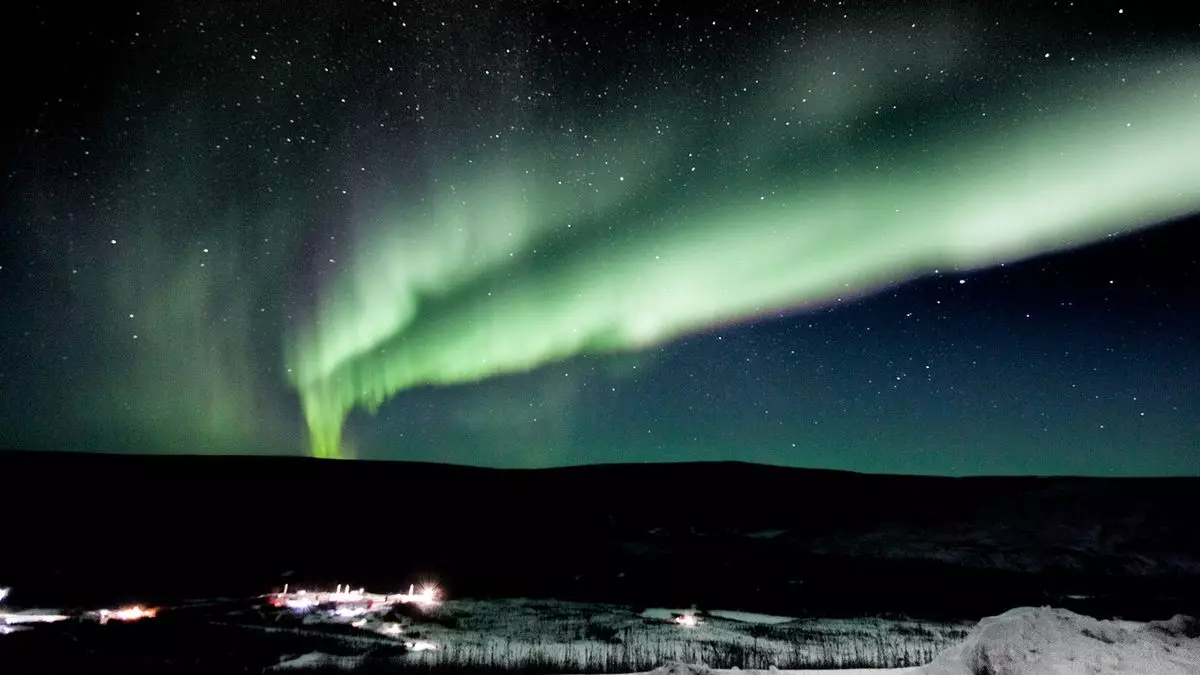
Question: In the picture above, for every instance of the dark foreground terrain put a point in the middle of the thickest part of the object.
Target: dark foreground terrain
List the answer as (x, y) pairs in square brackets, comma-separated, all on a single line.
[(516, 637), (86, 530)]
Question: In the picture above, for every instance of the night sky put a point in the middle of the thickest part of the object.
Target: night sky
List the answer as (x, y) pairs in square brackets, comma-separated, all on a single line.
[(920, 238)]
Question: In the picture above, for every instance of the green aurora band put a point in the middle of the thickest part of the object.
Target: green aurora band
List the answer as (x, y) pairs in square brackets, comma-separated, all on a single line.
[(505, 270)]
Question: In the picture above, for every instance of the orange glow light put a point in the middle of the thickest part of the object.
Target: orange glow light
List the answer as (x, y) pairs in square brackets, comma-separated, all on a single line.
[(135, 613)]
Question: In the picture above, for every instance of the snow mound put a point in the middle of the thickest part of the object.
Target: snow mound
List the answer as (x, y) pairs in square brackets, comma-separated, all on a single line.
[(664, 613), (1178, 626), (318, 660), (1047, 641), (681, 669)]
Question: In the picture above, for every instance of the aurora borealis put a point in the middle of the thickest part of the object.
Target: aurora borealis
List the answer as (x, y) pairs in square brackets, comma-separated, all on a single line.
[(930, 239)]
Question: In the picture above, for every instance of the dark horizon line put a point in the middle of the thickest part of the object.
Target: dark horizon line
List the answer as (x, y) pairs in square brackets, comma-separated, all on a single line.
[(35, 455)]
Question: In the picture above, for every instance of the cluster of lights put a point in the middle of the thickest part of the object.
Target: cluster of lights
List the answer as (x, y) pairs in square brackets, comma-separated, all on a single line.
[(357, 605), (688, 620), (352, 602), (299, 603), (344, 594)]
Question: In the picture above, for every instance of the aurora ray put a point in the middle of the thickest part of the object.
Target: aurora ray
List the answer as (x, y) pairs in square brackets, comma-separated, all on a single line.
[(504, 273)]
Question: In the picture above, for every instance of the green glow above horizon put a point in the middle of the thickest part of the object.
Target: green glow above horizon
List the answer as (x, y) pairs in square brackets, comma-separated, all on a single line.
[(507, 270)]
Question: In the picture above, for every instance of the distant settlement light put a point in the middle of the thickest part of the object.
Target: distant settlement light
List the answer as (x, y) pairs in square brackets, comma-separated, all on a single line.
[(688, 620), (135, 613)]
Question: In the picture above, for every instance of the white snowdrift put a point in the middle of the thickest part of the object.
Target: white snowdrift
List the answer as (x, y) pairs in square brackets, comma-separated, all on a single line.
[(319, 660), (750, 617), (689, 669), (1046, 641)]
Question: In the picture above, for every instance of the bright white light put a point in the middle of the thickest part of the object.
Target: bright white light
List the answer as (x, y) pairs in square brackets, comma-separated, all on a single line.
[(390, 629), (426, 597), (3, 593), (299, 603), (344, 594), (686, 620), (13, 619), (420, 646)]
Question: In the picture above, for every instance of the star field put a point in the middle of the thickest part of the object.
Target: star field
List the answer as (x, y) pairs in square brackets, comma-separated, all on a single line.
[(921, 238)]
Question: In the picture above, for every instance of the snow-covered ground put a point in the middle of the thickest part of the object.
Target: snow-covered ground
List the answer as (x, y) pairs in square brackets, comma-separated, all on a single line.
[(566, 637), (1023, 641), (554, 635), (694, 669), (319, 660), (1042, 641)]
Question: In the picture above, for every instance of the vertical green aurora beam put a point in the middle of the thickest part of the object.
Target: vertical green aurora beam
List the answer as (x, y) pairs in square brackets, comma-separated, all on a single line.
[(508, 272)]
